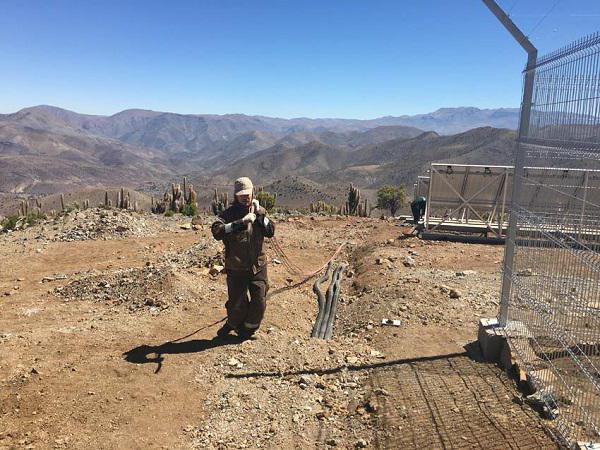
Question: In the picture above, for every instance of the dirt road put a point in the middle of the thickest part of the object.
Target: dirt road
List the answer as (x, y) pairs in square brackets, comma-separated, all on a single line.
[(86, 362)]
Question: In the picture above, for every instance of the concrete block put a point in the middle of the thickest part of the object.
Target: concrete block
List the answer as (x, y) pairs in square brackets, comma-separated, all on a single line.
[(491, 339)]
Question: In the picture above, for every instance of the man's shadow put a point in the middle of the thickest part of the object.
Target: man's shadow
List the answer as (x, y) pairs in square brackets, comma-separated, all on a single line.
[(154, 353)]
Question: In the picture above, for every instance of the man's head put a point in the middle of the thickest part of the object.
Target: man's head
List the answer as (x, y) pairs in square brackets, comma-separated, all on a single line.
[(243, 190)]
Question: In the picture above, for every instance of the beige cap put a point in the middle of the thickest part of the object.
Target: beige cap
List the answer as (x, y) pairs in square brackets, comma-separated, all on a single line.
[(243, 186)]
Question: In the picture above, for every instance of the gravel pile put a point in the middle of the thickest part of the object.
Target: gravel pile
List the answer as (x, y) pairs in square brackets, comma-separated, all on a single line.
[(150, 287), (206, 253), (99, 223)]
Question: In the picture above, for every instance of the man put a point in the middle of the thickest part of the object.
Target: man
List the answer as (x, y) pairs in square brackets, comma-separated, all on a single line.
[(242, 227), (417, 206)]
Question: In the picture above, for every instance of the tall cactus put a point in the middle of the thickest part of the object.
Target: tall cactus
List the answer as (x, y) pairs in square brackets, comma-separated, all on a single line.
[(220, 202), (353, 200)]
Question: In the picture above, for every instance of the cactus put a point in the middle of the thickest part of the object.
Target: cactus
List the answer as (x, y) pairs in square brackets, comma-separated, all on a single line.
[(322, 207), (219, 203), (106, 198), (353, 199), (192, 196), (62, 202)]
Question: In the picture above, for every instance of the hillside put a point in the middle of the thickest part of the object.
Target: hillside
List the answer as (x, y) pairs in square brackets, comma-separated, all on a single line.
[(45, 150), (41, 161), (394, 161)]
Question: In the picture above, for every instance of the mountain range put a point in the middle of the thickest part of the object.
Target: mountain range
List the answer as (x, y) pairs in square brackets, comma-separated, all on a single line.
[(45, 149)]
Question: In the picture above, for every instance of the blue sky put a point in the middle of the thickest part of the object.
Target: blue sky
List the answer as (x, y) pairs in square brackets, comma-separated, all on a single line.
[(346, 58)]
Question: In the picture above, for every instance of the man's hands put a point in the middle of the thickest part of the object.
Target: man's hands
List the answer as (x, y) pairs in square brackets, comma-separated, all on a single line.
[(249, 218)]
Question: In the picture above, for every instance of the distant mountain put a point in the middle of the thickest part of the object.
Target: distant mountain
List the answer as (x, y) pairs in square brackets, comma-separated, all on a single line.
[(391, 162), (49, 149), (195, 133), (457, 120)]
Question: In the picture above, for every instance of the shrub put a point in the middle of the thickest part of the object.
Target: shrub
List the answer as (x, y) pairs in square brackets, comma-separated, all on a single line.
[(169, 213), (190, 210), (9, 223), (391, 197), (266, 199)]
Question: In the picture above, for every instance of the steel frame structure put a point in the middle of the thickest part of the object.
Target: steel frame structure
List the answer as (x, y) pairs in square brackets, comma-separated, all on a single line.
[(468, 198), (454, 191)]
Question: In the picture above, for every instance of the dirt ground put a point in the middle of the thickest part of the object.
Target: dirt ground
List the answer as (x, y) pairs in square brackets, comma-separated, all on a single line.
[(87, 358)]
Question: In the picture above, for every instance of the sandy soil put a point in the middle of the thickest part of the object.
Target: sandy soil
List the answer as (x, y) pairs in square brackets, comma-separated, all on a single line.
[(86, 359)]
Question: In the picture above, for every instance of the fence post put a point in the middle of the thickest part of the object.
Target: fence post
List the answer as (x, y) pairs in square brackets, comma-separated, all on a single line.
[(509, 252)]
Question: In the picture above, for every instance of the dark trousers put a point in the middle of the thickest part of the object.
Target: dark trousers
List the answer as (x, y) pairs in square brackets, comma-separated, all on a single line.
[(242, 311), (416, 212)]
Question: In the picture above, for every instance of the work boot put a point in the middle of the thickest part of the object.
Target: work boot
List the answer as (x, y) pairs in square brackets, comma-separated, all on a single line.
[(224, 330), (246, 333)]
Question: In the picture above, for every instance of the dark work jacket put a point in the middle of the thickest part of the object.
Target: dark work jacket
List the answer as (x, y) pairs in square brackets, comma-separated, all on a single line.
[(244, 244)]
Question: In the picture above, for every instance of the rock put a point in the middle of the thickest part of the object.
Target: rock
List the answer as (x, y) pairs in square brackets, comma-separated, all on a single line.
[(234, 362), (54, 278), (455, 293), (379, 261), (371, 406), (216, 270), (276, 261), (377, 354), (361, 443), (381, 391), (525, 273), (332, 442), (186, 226), (464, 273), (351, 359), (305, 379), (408, 261)]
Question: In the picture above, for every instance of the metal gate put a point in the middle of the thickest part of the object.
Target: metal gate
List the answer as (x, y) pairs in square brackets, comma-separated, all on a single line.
[(550, 306)]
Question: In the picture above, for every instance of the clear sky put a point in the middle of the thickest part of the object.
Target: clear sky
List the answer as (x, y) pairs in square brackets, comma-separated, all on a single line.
[(322, 58)]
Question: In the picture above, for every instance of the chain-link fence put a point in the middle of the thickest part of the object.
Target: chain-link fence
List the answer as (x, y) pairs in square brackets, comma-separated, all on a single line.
[(551, 288)]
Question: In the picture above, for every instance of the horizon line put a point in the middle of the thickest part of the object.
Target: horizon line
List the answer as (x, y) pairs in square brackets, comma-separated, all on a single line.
[(258, 115)]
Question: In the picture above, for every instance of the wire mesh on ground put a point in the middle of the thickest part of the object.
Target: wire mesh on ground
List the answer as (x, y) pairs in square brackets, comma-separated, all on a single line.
[(454, 403), (551, 285)]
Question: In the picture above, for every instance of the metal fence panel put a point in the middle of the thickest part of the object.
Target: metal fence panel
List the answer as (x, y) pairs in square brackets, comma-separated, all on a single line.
[(551, 284)]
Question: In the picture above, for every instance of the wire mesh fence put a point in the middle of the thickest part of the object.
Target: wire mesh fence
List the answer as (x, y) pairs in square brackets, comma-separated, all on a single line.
[(551, 291)]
